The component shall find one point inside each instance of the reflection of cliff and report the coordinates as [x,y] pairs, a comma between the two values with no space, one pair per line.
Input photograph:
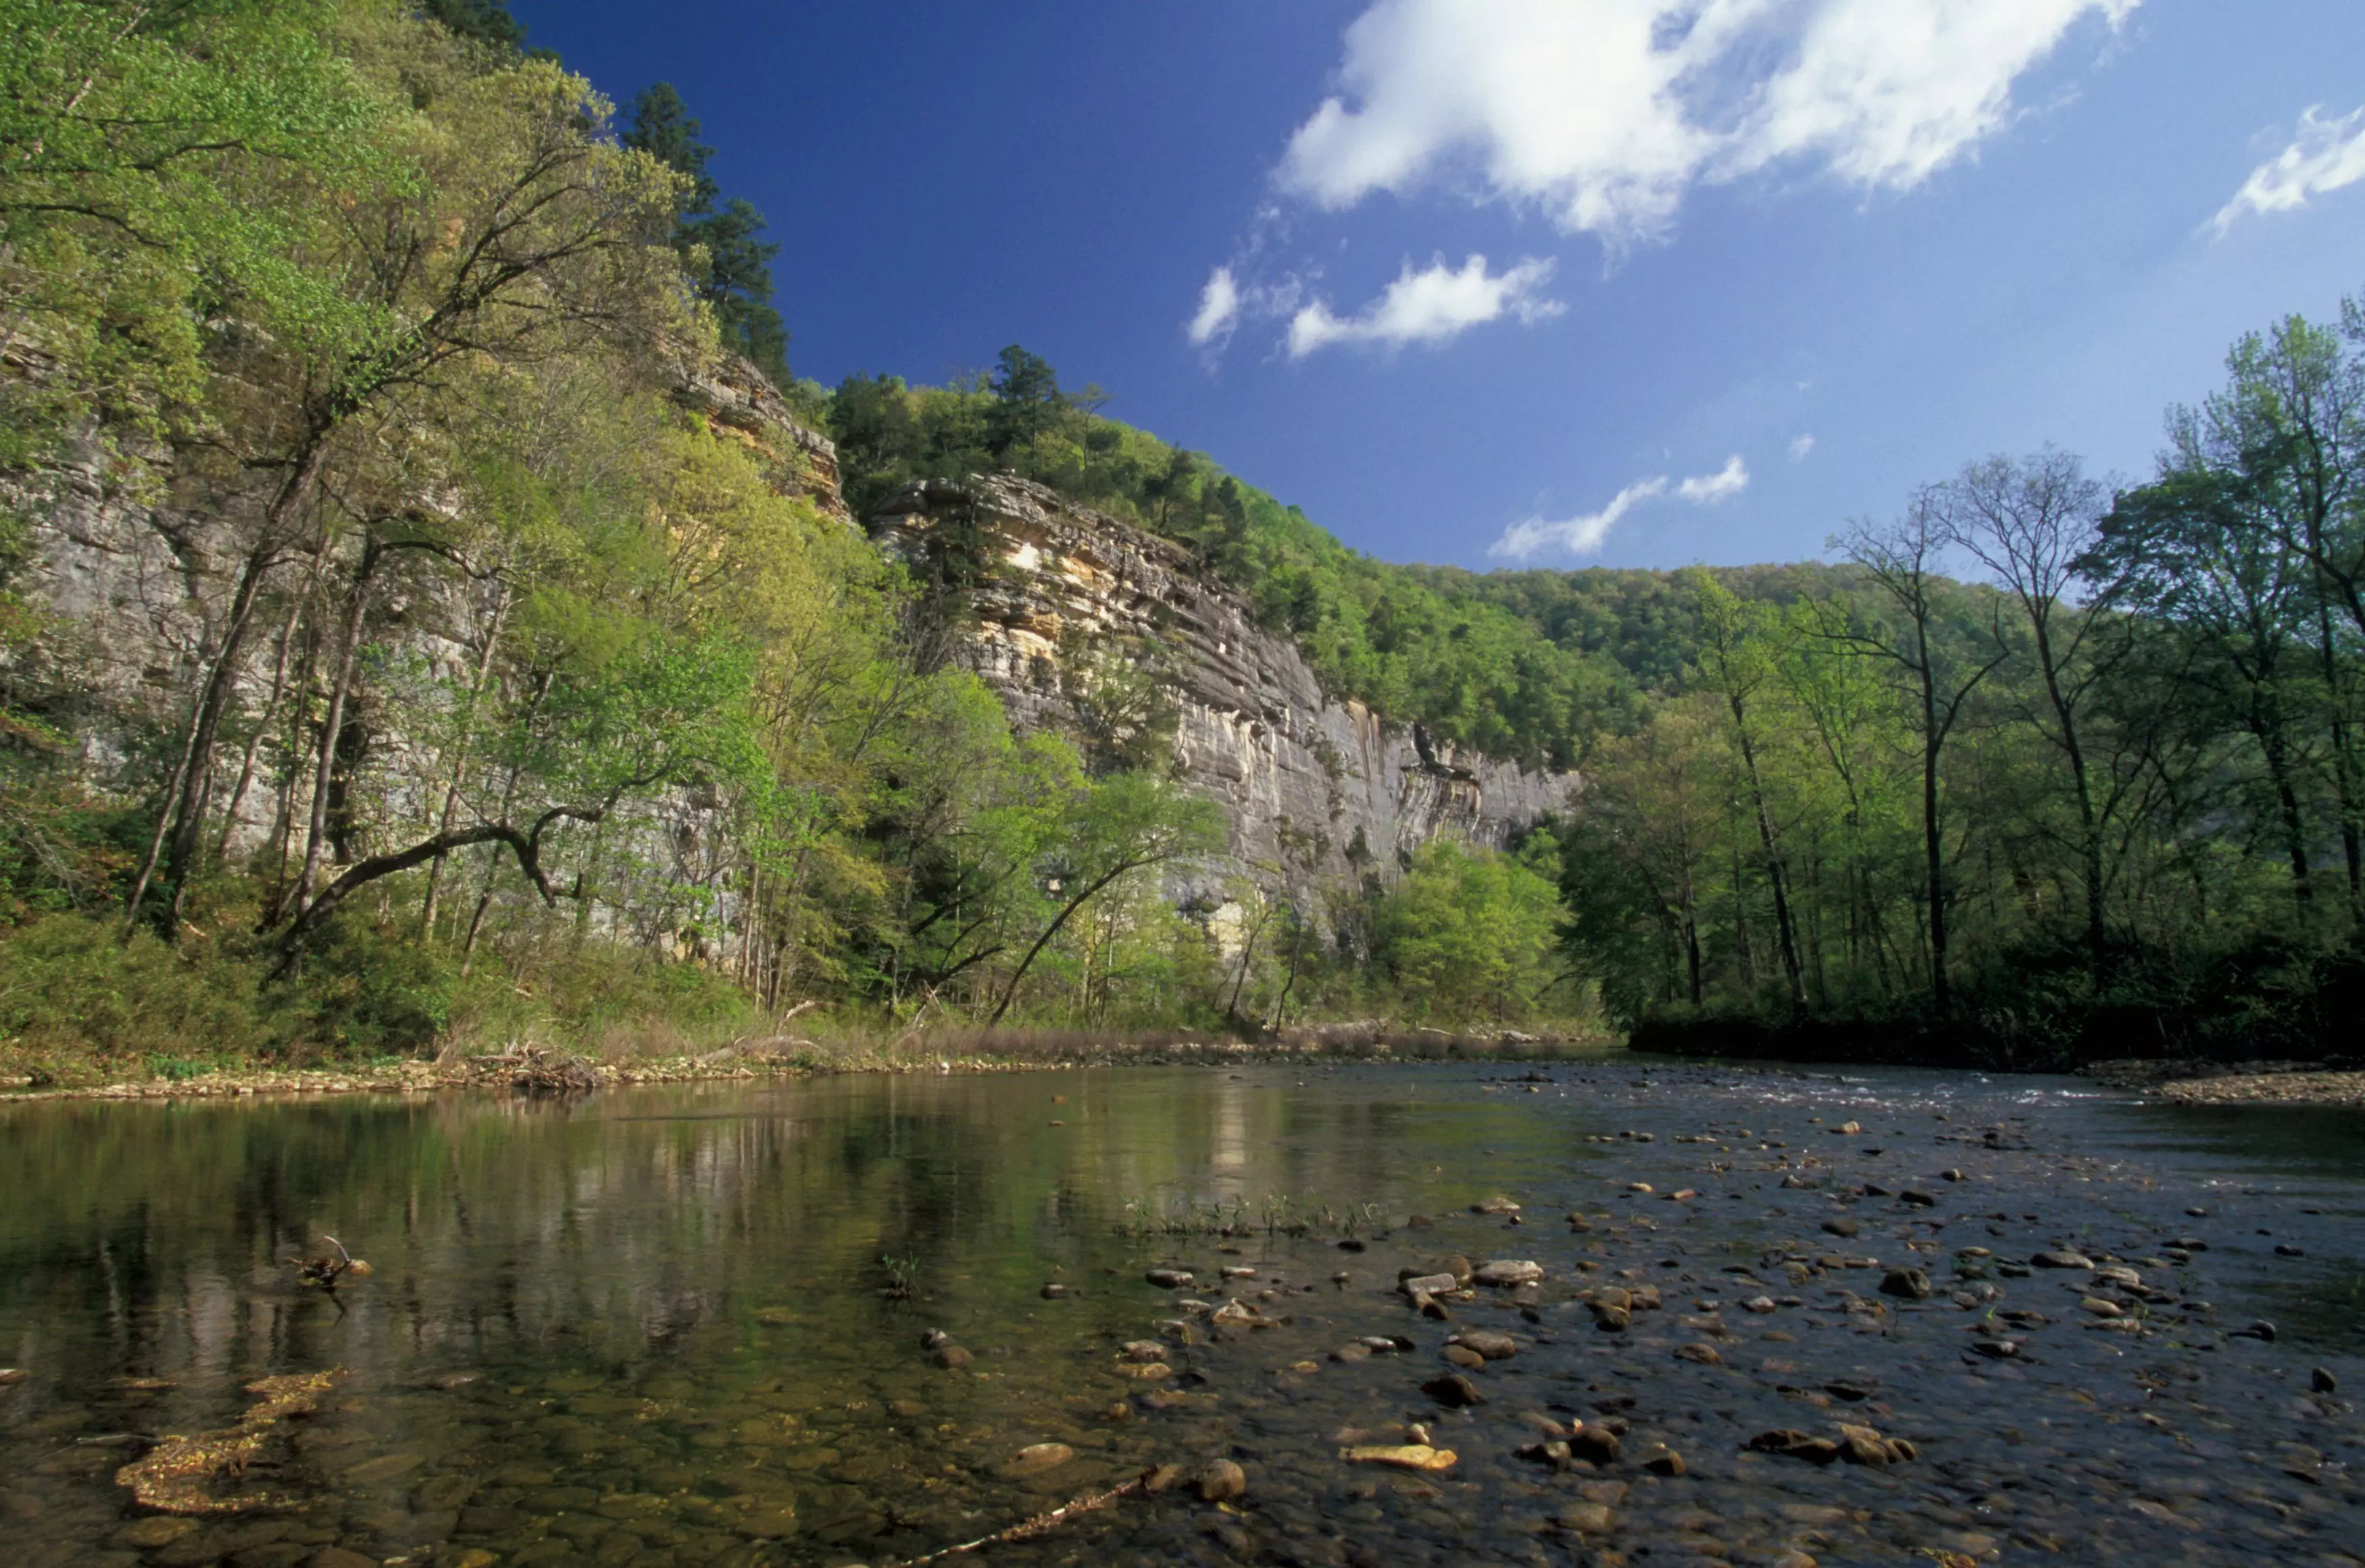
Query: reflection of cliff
[1311,782]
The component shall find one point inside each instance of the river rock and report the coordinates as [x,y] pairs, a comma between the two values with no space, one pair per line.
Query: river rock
[13,1376]
[1498,1204]
[1428,1284]
[2061,1259]
[1220,1481]
[2101,1307]
[1400,1456]
[1611,1318]
[1844,1227]
[1594,1443]
[950,1356]
[1143,1351]
[1863,1445]
[2323,1382]
[1911,1284]
[1465,1357]
[1665,1461]
[1055,1292]
[1586,1518]
[1037,1458]
[1350,1354]
[161,1529]
[1170,1279]
[1706,1355]
[1791,1443]
[1485,1342]
[1918,1198]
[1510,1271]
[1453,1391]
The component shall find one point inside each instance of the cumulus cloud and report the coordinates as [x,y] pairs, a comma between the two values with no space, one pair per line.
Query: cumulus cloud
[1220,309]
[1800,446]
[2327,155]
[1429,306]
[1583,535]
[1604,113]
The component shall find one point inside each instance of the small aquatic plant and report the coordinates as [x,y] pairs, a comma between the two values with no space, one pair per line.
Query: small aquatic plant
[902,1275]
[1278,1215]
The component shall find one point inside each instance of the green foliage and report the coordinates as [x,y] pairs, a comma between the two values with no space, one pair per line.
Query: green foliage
[1467,936]
[730,268]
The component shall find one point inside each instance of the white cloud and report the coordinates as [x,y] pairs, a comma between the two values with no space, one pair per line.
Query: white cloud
[1583,535]
[1429,306]
[1577,535]
[1219,308]
[1800,446]
[1604,113]
[2327,155]
[1709,488]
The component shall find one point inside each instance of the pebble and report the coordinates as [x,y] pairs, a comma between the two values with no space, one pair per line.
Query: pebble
[2323,1382]
[1170,1279]
[1706,1355]
[1055,1292]
[2063,1258]
[1665,1462]
[1465,1357]
[1488,1344]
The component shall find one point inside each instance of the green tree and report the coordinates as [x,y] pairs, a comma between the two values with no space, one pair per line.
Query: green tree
[1467,933]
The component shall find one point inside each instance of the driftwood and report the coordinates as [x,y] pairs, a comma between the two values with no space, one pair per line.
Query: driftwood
[531,1070]
[1041,1524]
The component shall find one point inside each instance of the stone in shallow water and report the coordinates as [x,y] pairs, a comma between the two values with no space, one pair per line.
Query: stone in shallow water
[1510,1271]
[2061,1259]
[1401,1456]
[1037,1458]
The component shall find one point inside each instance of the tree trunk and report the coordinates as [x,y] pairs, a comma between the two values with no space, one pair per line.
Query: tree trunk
[222,681]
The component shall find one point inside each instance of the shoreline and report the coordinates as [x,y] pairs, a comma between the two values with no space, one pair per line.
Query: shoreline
[541,1072]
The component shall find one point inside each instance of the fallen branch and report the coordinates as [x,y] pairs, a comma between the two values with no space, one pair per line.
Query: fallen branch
[1041,1524]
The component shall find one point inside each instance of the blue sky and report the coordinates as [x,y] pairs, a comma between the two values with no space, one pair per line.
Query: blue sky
[1750,267]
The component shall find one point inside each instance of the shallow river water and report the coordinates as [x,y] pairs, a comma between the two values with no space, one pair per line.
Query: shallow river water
[693,1325]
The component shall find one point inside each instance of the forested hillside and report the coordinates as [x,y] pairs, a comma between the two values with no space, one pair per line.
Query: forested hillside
[400,649]
[402,653]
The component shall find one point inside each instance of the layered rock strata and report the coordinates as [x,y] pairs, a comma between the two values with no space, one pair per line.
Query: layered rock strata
[1317,788]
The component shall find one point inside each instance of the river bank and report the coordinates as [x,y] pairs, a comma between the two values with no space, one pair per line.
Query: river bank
[532,1070]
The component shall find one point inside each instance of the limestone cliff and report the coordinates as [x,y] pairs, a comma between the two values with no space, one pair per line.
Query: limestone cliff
[132,555]
[1317,785]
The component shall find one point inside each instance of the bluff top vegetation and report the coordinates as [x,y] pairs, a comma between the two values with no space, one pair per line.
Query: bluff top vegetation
[511,700]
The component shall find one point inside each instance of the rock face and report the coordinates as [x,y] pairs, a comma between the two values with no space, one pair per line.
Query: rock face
[134,556]
[1314,784]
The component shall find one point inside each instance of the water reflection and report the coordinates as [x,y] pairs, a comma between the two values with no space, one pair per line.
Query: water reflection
[654,1325]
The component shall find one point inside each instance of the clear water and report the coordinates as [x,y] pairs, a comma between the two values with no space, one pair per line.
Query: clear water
[684,1325]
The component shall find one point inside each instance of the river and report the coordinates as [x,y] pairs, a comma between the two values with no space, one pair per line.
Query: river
[708,1324]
